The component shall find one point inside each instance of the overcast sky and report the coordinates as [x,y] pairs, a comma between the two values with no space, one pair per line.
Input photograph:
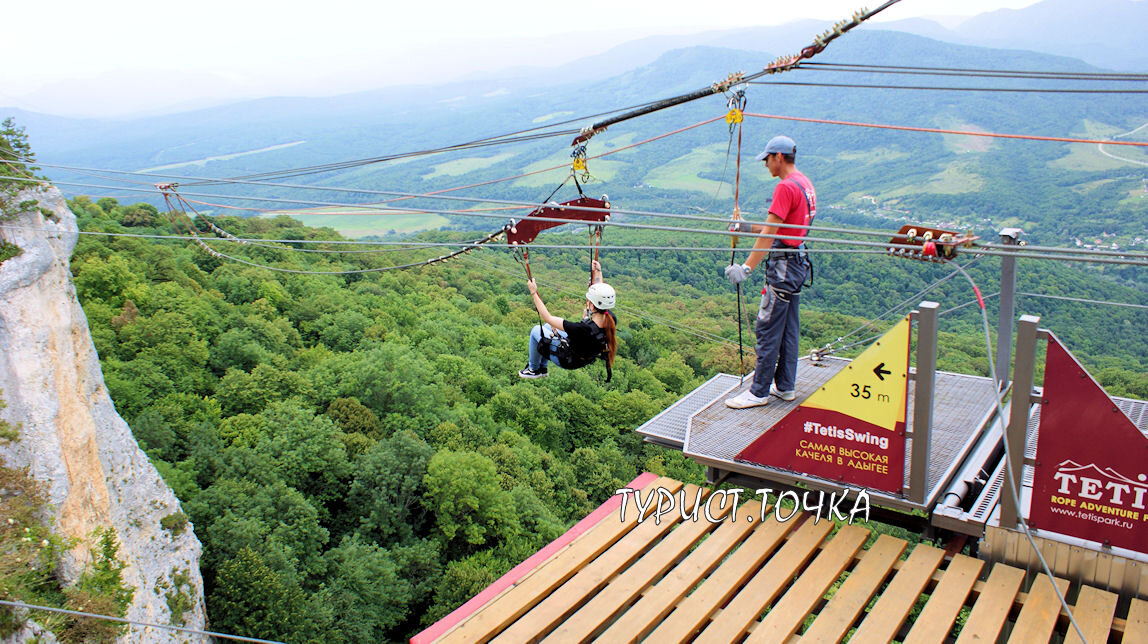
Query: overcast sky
[72,48]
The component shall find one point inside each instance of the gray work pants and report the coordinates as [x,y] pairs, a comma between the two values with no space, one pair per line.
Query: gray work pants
[778,326]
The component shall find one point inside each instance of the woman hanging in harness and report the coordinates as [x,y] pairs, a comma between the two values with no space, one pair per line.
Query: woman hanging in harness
[571,345]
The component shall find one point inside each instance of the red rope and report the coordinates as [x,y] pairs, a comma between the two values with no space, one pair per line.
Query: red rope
[940,131]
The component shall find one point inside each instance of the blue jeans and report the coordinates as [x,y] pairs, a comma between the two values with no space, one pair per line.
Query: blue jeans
[536,338]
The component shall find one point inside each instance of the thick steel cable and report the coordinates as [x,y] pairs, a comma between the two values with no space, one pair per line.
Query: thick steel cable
[783,64]
[465,248]
[1083,300]
[973,72]
[966,304]
[909,301]
[522,204]
[438,194]
[383,211]
[932,130]
[1063,257]
[483,142]
[110,618]
[885,246]
[1015,90]
[1029,248]
[359,163]
[415,245]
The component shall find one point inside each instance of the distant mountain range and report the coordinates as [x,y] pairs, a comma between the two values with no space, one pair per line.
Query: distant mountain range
[1103,33]
[974,183]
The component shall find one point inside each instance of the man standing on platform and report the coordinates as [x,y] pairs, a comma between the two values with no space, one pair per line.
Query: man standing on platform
[786,267]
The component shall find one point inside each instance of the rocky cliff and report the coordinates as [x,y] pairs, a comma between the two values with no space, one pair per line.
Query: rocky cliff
[71,437]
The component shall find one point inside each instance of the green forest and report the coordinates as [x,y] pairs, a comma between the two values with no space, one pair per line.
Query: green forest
[357,453]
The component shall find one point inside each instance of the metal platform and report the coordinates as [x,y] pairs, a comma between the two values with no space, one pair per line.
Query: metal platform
[669,427]
[710,433]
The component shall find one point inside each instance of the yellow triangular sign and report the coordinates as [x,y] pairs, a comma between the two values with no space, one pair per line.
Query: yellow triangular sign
[873,387]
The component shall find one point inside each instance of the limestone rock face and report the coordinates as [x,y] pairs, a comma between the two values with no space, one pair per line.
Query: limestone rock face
[72,439]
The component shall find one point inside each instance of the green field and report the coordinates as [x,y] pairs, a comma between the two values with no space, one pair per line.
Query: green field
[600,169]
[364,225]
[459,167]
[682,172]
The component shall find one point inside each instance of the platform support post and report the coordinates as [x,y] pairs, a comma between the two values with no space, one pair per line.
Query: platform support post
[1011,237]
[1017,429]
[923,399]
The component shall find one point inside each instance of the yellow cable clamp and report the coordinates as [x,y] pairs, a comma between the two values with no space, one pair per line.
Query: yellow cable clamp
[734,116]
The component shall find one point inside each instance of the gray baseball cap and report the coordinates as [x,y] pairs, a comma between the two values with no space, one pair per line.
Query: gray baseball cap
[782,144]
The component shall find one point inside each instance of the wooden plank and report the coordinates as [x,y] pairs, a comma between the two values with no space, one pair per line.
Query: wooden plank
[659,600]
[693,611]
[847,603]
[993,606]
[1038,616]
[520,598]
[560,603]
[787,615]
[1116,575]
[621,590]
[891,609]
[1103,571]
[1094,611]
[1075,564]
[763,588]
[1136,626]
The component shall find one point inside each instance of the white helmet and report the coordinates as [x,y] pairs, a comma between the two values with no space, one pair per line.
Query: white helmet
[601,295]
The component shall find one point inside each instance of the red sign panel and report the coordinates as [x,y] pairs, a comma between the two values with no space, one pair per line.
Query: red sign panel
[1091,474]
[852,429]
[834,446]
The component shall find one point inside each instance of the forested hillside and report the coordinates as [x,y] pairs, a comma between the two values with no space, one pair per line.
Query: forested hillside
[356,451]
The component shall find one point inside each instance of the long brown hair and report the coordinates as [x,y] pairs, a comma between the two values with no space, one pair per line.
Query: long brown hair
[610,330]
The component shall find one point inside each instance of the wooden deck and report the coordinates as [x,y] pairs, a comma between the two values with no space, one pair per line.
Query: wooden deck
[764,580]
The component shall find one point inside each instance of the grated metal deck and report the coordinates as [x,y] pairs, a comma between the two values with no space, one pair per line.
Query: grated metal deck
[715,434]
[669,427]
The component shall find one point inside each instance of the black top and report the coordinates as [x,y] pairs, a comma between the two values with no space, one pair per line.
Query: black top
[581,337]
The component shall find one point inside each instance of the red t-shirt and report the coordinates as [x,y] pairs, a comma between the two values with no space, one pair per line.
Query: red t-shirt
[790,205]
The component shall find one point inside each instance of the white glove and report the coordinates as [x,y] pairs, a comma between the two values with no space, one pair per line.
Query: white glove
[737,273]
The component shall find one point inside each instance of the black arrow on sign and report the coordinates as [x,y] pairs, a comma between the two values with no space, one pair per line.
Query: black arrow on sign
[881,371]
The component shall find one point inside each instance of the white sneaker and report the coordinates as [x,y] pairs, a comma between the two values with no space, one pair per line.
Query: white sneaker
[784,395]
[745,400]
